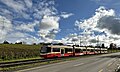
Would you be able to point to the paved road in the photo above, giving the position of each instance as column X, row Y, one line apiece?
column 101, row 63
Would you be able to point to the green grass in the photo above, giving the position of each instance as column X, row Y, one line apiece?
column 18, row 51
column 113, row 51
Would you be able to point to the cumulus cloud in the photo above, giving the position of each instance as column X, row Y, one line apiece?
column 91, row 23
column 104, row 20
column 111, row 23
column 49, row 26
column 97, row 21
column 49, row 23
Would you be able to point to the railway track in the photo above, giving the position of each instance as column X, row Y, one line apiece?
column 16, row 63
column 24, row 62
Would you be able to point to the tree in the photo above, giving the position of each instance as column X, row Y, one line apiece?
column 58, row 44
column 34, row 43
column 111, row 46
column 5, row 42
column 18, row 43
column 103, row 46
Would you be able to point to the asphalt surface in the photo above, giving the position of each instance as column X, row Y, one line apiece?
column 100, row 63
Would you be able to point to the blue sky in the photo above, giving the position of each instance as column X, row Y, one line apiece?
column 66, row 21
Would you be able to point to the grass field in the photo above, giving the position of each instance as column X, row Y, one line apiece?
column 18, row 51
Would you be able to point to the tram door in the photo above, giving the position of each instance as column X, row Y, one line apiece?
column 62, row 52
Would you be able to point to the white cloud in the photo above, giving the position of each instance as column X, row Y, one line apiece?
column 71, row 38
column 16, row 5
column 8, row 32
column 49, row 26
column 18, row 9
column 5, row 27
column 20, row 12
column 66, row 15
column 28, row 9
column 111, row 23
column 27, row 27
column 6, row 13
column 29, row 40
column 91, row 23
column 94, row 23
column 44, row 8
column 28, row 3
column 104, row 20
column 16, row 35
column 49, row 23
column 21, row 37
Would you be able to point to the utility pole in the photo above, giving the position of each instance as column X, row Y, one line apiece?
column 80, row 41
column 86, row 35
column 98, row 44
column 98, row 41
column 73, row 50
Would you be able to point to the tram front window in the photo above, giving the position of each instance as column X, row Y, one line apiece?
column 45, row 49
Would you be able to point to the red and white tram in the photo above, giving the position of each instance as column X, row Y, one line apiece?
column 52, row 51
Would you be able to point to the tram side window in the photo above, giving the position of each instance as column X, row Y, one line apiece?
column 56, row 49
column 45, row 50
column 92, row 50
column 68, row 50
column 88, row 49
column 48, row 49
column 84, row 49
column 77, row 50
column 96, row 50
column 81, row 50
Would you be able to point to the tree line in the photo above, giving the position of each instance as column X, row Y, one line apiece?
column 111, row 46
